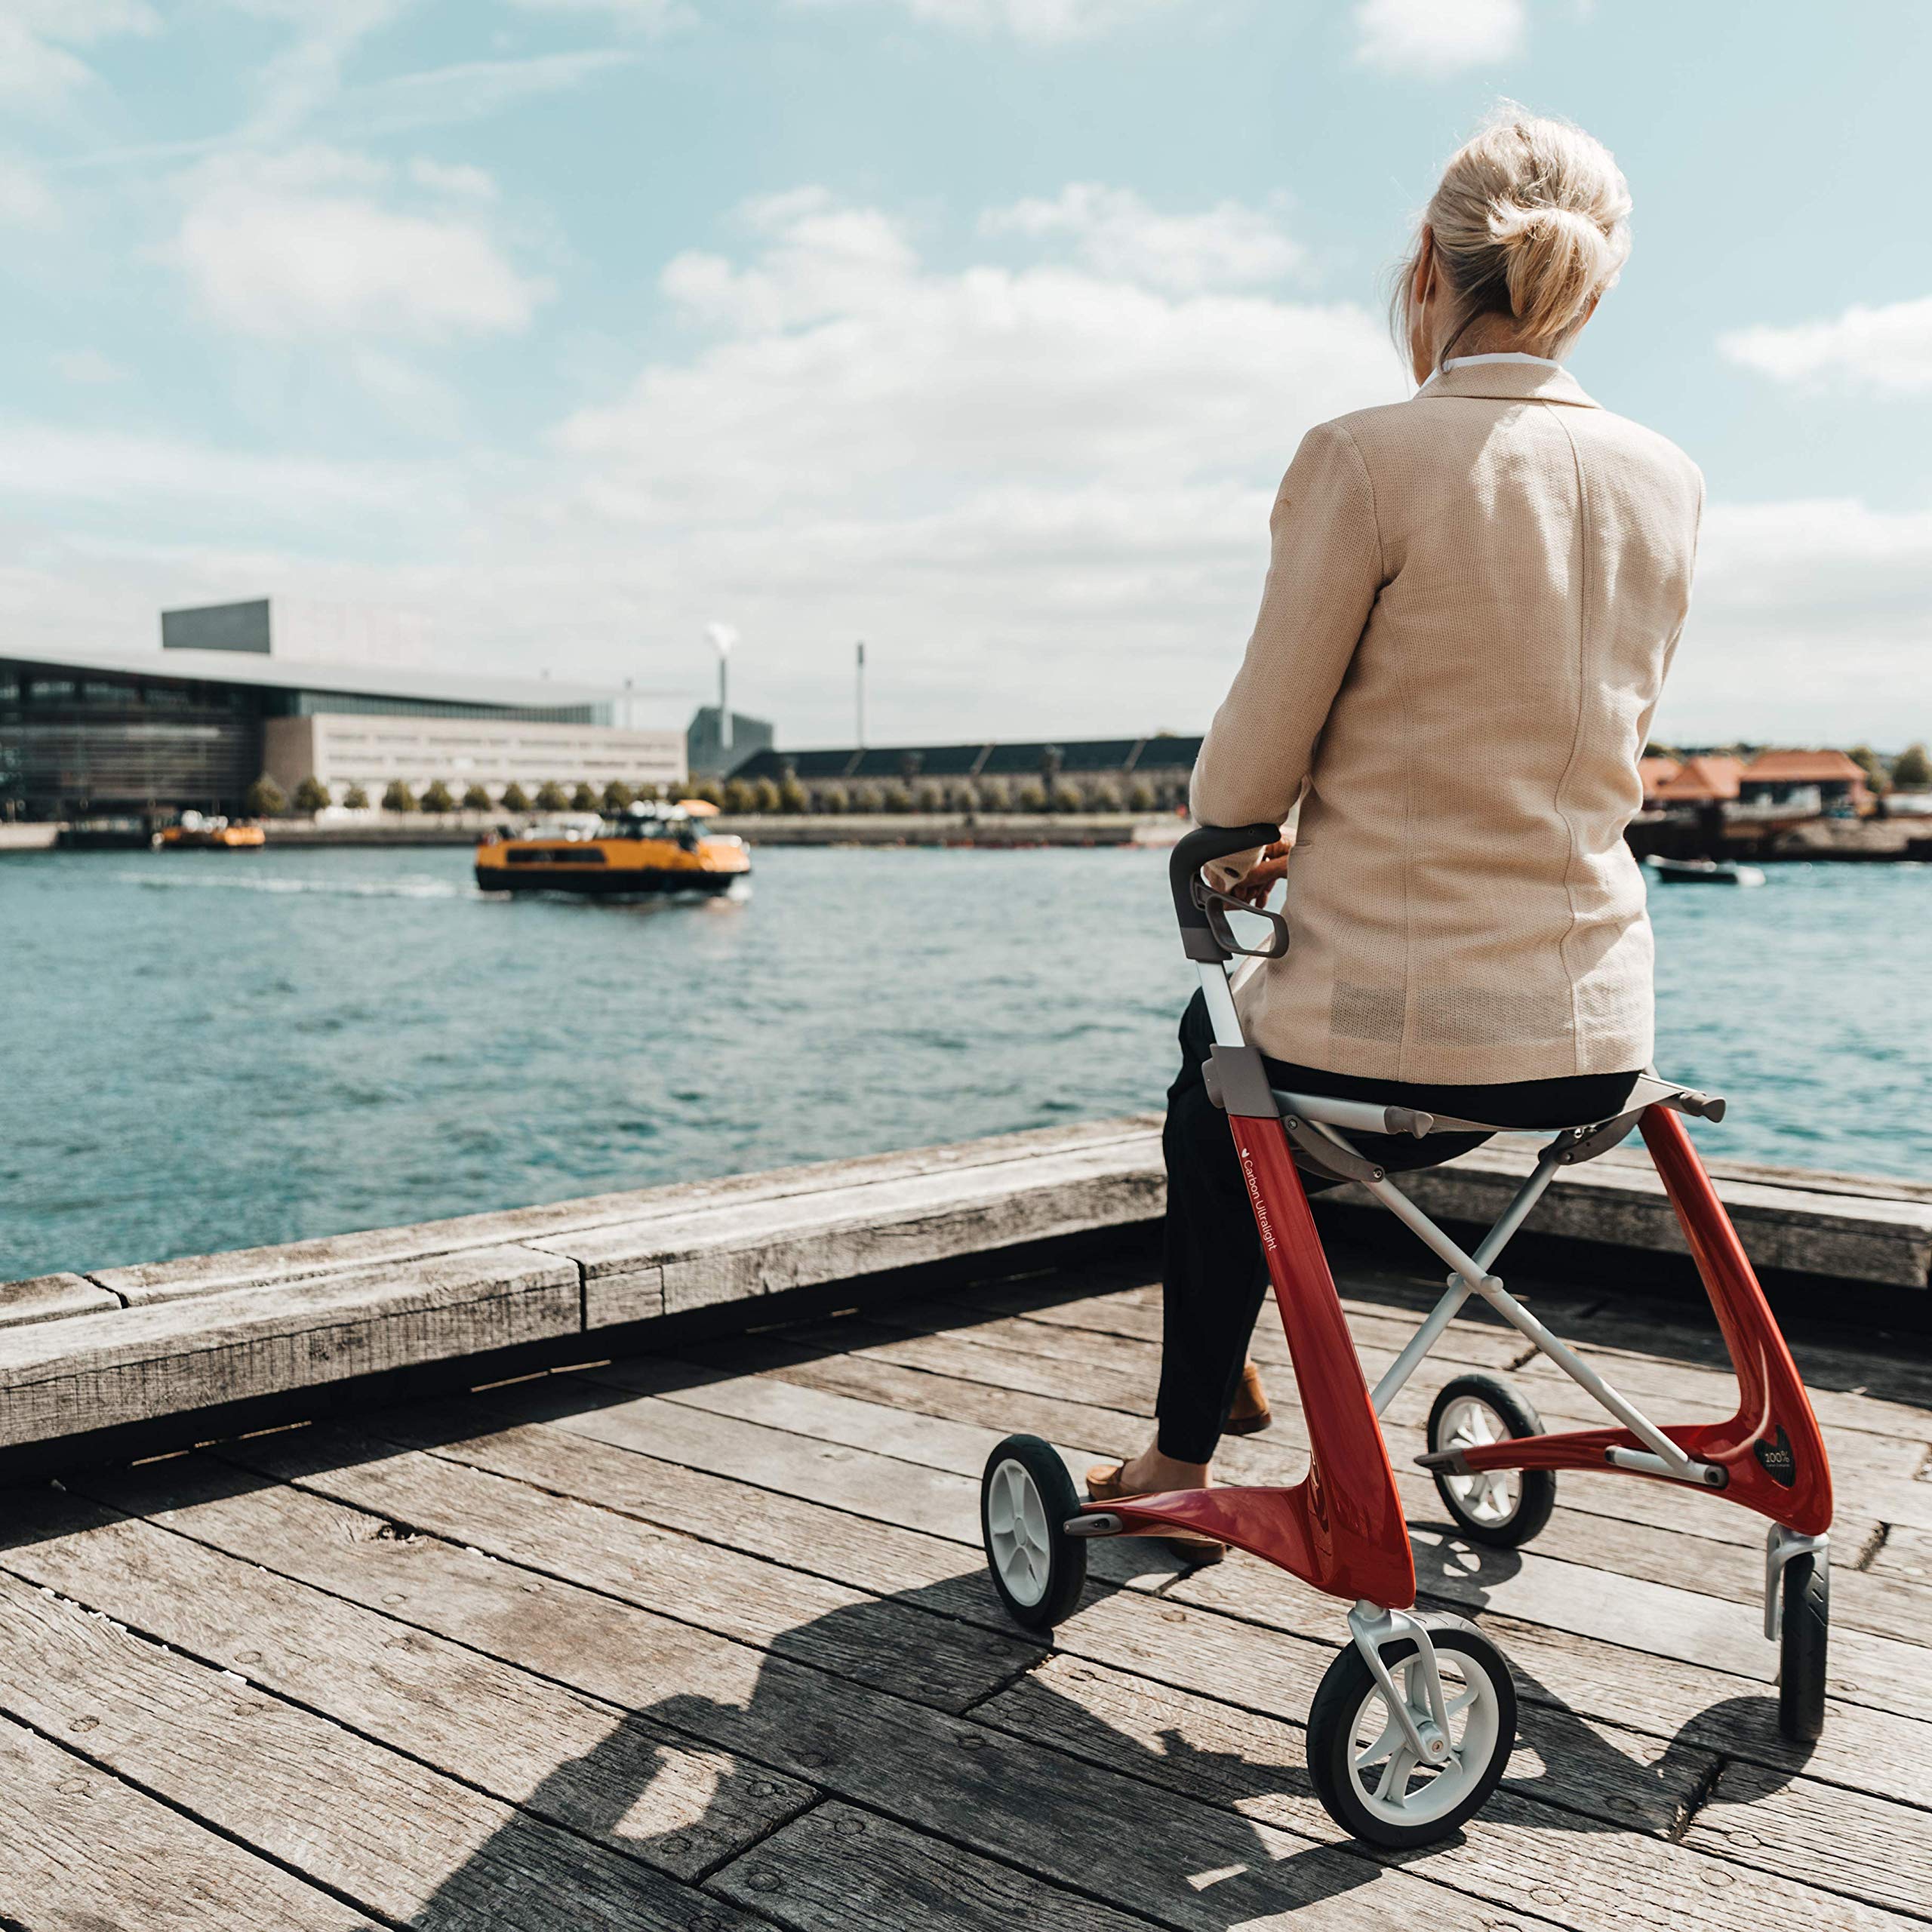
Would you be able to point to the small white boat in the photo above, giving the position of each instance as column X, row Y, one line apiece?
column 1704, row 872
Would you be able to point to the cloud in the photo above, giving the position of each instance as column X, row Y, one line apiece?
column 89, row 367
column 1886, row 350
column 1804, row 610
column 1027, row 20
column 1116, row 233
column 26, row 200
column 646, row 16
column 38, row 68
column 1435, row 38
column 307, row 245
column 469, row 90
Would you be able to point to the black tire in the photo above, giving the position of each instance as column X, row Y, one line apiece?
column 1345, row 1686
column 1802, row 1647
column 1039, row 1577
column 1536, row 1488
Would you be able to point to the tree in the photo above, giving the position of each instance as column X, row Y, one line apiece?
column 995, row 795
column 1103, row 795
column 1912, row 770
column 475, row 798
column 1063, row 797
column 1873, row 765
column 897, row 798
column 550, row 796
column 617, row 796
column 397, row 797
column 265, row 799
column 791, row 794
column 355, row 799
column 866, row 798
column 737, row 795
column 583, row 799
column 1141, row 799
column 516, row 798
column 711, row 792
column 830, row 798
column 437, row 797
column 1031, row 797
column 311, row 795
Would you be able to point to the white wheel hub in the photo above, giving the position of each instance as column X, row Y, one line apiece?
column 1389, row 1778
column 1020, row 1534
column 1492, row 1497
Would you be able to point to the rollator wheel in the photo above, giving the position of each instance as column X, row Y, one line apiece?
column 1807, row 1615
column 1506, row 1508
column 1026, row 1498
column 1369, row 1780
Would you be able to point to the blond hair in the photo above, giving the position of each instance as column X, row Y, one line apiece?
column 1531, row 220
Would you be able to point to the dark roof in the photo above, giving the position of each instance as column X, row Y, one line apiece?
column 1167, row 753
column 1076, row 757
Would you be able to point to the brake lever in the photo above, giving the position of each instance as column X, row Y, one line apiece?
column 1217, row 904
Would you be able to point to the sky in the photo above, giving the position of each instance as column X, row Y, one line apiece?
column 979, row 330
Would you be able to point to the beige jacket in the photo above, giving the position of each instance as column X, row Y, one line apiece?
column 1471, row 603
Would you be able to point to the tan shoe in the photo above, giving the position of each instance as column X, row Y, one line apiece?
column 1249, row 1413
column 1104, row 1485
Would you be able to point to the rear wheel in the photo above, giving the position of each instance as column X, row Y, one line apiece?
column 1503, row 1508
column 1026, row 1498
column 1806, row 1617
column 1369, row 1779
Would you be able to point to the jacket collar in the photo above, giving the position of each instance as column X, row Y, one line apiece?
column 1509, row 382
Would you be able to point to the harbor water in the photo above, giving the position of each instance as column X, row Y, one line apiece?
column 203, row 1051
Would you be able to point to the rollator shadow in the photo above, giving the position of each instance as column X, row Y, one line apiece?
column 1182, row 1820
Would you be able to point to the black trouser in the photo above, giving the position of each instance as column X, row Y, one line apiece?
column 1213, row 1276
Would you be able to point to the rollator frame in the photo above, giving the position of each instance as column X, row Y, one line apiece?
column 1341, row 1528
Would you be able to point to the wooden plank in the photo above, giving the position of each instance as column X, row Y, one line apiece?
column 747, row 1597
column 1524, row 1854
column 81, row 1852
column 747, row 1248
column 87, row 1371
column 1875, row 1237
column 579, row 1762
column 202, row 1274
column 1032, row 1808
column 49, row 1298
column 840, row 1869
column 1812, row 1835
column 404, row 1843
column 1906, row 1552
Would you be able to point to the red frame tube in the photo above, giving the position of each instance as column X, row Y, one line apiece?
column 1341, row 1527
column 1771, row 1451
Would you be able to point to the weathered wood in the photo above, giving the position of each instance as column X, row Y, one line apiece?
column 81, row 1852
column 1528, row 1855
column 1906, row 1552
column 845, row 1229
column 579, row 1762
column 202, row 1274
column 1877, row 1236
column 1812, row 1835
column 405, row 1843
column 49, row 1298
column 840, row 1870
column 88, row 1371
column 743, row 1597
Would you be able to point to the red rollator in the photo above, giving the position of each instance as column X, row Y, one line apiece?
column 1413, row 1722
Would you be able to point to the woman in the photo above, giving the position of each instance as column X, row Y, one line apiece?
column 1472, row 602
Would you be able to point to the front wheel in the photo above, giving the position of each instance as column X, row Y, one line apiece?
column 1806, row 1618
column 1369, row 1778
column 1026, row 1499
column 1503, row 1508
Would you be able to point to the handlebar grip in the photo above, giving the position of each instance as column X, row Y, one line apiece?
column 1200, row 847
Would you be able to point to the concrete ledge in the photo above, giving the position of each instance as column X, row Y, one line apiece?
column 123, row 1347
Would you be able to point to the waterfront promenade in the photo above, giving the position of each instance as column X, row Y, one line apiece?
column 687, row 1626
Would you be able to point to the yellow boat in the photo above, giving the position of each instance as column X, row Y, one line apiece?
column 650, row 849
column 196, row 833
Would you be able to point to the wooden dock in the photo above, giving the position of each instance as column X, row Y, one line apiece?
column 701, row 1642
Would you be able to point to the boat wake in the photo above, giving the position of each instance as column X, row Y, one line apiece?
column 386, row 888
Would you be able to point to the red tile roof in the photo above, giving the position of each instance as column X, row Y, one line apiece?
column 1712, row 776
column 1802, row 767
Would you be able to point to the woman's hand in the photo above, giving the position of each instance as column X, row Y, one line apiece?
column 1253, row 886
